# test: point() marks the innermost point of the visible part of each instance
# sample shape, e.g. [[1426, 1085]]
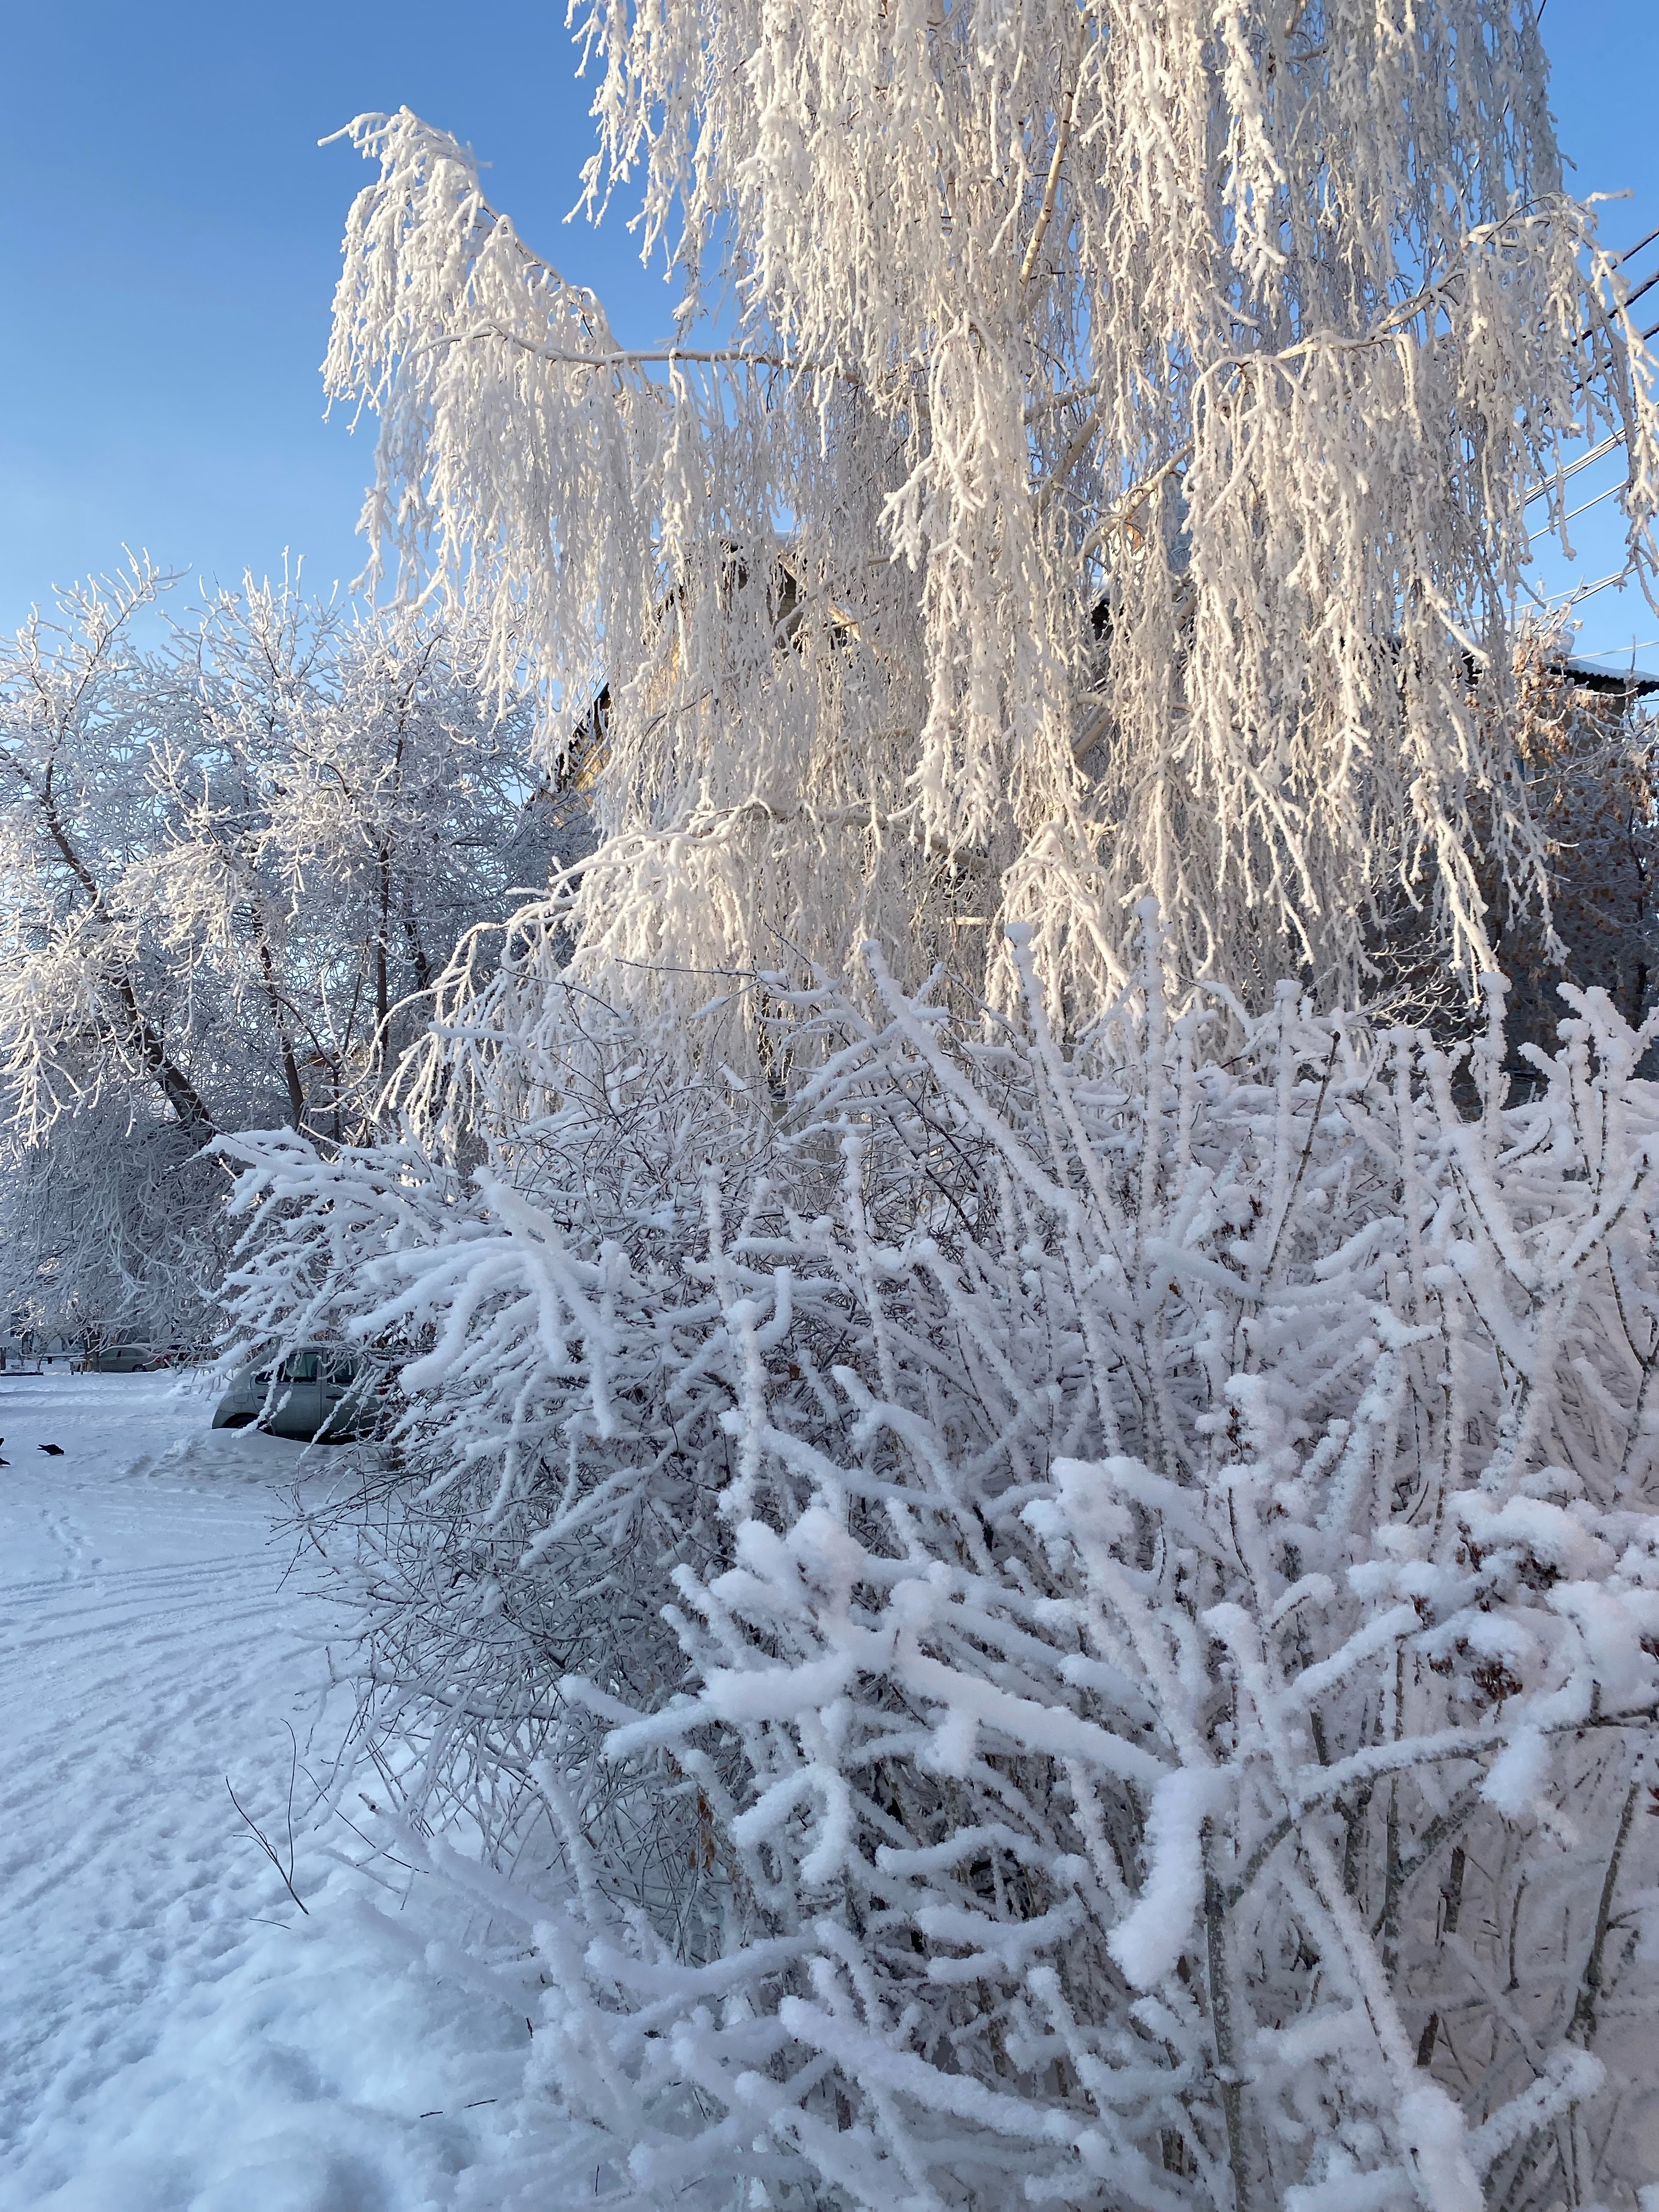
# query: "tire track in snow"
[[49, 1590], [161, 1622]]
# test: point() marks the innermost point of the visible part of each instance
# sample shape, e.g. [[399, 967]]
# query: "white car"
[[320, 1392], [126, 1357]]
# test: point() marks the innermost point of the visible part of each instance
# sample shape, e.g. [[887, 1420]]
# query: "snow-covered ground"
[[176, 2034]]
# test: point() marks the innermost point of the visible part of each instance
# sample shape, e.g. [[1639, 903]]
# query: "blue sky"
[[169, 232], [169, 240]]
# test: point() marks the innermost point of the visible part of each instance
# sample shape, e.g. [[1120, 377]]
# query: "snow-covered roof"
[[1596, 677]]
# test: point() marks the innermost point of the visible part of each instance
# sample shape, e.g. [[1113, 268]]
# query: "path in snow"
[[175, 2034]]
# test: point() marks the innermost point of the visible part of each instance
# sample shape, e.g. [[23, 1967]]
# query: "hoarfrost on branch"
[[1090, 462]]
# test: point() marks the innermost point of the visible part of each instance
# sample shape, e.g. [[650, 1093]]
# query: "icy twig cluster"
[[1057, 1626]]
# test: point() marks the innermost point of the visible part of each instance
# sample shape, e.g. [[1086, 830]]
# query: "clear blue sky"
[[169, 240], [169, 232]]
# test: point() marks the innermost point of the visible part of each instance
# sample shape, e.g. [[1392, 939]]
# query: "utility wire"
[[1584, 460], [1598, 453], [1576, 595], [1574, 512]]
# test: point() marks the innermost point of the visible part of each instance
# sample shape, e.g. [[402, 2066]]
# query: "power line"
[[1584, 460], [1574, 512], [1576, 594], [1597, 453]]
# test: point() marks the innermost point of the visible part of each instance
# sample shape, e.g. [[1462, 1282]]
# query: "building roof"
[[1591, 676]]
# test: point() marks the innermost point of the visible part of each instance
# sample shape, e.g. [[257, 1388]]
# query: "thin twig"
[[1051, 188], [1582, 2026], [259, 1835]]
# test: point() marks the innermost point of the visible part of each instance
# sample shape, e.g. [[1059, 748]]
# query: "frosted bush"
[[1049, 1625]]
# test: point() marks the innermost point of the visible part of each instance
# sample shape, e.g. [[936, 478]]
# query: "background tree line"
[[240, 844]]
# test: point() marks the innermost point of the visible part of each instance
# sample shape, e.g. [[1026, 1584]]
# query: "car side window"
[[301, 1367], [340, 1372]]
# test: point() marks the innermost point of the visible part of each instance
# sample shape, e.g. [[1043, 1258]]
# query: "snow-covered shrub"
[[1069, 1625], [1587, 747], [122, 1228]]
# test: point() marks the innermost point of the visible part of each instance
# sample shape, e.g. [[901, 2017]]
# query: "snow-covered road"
[[176, 2034]]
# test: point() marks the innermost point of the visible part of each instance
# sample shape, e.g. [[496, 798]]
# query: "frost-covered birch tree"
[[1088, 462]]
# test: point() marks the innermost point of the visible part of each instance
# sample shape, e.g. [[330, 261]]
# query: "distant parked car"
[[321, 1392], [124, 1359]]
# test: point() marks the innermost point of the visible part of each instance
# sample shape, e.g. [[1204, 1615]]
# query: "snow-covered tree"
[[1089, 462], [342, 810], [232, 857], [1584, 755], [1037, 1559]]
